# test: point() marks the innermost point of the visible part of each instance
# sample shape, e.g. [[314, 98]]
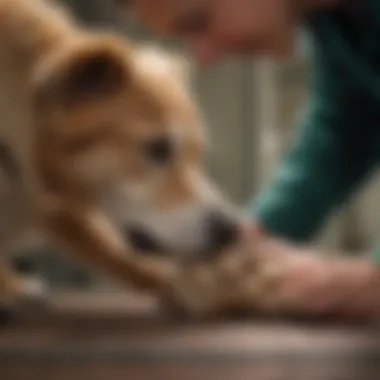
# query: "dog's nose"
[[223, 231]]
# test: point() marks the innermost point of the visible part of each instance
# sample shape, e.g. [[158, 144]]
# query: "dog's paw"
[[191, 297], [174, 311], [183, 303]]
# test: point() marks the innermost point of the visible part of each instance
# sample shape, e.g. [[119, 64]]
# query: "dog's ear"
[[87, 70]]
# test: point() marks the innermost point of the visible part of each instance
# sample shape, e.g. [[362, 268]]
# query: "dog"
[[101, 147]]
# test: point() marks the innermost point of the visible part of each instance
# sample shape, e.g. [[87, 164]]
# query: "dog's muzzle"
[[219, 232]]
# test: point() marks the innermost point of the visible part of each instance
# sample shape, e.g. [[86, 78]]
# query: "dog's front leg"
[[90, 236]]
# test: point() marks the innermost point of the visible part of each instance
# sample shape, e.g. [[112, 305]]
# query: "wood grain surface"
[[112, 336]]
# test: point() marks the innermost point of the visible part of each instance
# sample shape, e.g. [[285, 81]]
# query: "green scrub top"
[[337, 143]]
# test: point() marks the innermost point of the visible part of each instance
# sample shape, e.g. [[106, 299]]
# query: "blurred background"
[[251, 108]]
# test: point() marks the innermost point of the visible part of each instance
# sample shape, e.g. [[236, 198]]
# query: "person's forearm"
[[321, 286]]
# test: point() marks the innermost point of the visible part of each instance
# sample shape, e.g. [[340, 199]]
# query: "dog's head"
[[123, 122]]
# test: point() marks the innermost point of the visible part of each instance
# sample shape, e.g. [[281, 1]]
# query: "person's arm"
[[332, 154]]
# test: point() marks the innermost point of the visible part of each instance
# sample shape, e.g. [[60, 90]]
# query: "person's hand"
[[281, 279], [311, 281], [215, 28]]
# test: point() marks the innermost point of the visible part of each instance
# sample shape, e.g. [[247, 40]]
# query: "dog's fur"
[[105, 139]]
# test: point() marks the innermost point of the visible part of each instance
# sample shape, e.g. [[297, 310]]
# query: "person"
[[337, 146]]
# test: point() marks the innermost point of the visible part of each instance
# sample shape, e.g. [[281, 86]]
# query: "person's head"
[[214, 28]]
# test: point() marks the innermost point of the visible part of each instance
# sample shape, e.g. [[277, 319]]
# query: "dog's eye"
[[160, 150]]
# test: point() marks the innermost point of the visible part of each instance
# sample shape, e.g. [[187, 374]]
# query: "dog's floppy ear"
[[86, 70]]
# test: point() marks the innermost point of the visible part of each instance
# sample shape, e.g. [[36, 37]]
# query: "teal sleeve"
[[334, 151]]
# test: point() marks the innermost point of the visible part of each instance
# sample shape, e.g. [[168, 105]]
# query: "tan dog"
[[102, 147]]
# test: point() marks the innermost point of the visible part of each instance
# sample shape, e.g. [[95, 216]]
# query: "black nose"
[[222, 232]]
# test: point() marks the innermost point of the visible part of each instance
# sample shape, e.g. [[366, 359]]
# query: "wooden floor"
[[122, 337]]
